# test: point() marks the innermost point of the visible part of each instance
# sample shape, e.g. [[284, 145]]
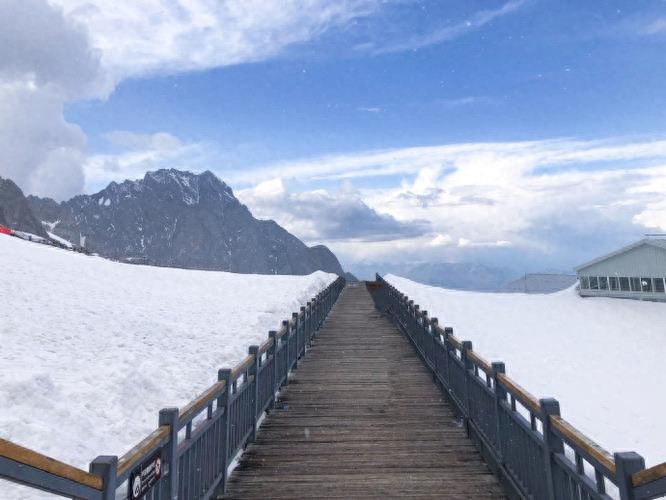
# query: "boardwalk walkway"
[[361, 418]]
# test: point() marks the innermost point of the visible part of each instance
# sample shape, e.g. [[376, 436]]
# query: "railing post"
[[169, 416], [447, 349], [308, 322], [434, 323], [254, 371], [105, 467], [274, 351], [466, 346], [551, 442], [225, 402], [294, 328], [285, 341], [500, 395], [303, 330], [626, 465]]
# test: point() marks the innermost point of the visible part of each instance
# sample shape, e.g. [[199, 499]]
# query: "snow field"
[[602, 358], [92, 349]]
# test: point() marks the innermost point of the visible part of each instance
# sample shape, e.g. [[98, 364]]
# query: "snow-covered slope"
[[92, 349], [601, 358]]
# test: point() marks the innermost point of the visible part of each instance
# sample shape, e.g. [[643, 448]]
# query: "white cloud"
[[58, 51], [448, 32], [320, 215], [167, 36], [138, 154], [562, 198]]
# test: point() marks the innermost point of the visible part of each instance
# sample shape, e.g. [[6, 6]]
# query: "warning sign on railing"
[[144, 477]]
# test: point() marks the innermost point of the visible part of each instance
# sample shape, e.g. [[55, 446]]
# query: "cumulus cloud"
[[320, 215], [555, 200], [44, 61]]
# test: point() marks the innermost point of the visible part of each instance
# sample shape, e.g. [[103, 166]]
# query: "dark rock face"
[[179, 219], [15, 210]]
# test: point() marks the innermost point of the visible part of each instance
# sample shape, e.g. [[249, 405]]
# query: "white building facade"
[[637, 271]]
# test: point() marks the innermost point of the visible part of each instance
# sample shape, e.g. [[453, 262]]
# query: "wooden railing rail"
[[217, 425], [536, 453]]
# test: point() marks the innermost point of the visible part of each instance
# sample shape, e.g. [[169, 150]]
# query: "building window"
[[614, 283], [659, 285], [646, 284], [603, 283], [635, 284], [594, 283], [584, 283], [624, 284]]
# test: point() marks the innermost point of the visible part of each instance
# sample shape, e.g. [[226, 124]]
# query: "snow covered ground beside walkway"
[[92, 349], [602, 358]]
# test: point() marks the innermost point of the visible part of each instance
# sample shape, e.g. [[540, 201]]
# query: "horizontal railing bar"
[[585, 444], [649, 475], [453, 340], [31, 458], [480, 362], [242, 366], [516, 390], [191, 409], [265, 345], [139, 452]]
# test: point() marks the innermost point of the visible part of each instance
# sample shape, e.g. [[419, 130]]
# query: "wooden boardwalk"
[[361, 418]]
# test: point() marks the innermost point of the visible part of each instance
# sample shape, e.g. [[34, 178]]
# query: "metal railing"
[[534, 451], [188, 455]]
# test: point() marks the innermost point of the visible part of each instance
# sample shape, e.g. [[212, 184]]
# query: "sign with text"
[[145, 476]]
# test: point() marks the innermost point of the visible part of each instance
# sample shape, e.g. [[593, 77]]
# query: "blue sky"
[[527, 133]]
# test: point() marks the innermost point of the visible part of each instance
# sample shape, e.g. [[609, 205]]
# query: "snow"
[[602, 358], [92, 349], [60, 240]]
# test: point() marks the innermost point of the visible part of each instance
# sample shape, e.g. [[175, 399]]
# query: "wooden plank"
[[523, 396], [242, 366], [26, 456], [574, 436], [198, 404], [138, 453], [649, 475], [361, 418]]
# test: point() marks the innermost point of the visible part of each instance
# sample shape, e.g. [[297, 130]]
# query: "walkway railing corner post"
[[254, 373], [469, 367], [169, 416], [105, 466], [273, 351], [552, 444], [498, 367], [627, 464], [224, 374]]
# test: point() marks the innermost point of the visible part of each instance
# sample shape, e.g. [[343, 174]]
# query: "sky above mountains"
[[526, 133]]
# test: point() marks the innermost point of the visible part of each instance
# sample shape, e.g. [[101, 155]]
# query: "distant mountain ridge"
[[15, 211], [180, 219]]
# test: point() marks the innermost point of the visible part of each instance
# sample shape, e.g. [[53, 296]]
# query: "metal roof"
[[659, 243]]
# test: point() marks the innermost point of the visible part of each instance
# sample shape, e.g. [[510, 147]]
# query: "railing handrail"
[[626, 470], [34, 459]]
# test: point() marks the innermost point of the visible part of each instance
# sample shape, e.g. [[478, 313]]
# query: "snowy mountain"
[[179, 219], [15, 210]]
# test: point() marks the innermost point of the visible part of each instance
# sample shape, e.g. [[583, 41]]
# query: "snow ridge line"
[[509, 424], [218, 425]]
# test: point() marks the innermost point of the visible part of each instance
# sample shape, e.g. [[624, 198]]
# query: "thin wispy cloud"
[[448, 32]]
